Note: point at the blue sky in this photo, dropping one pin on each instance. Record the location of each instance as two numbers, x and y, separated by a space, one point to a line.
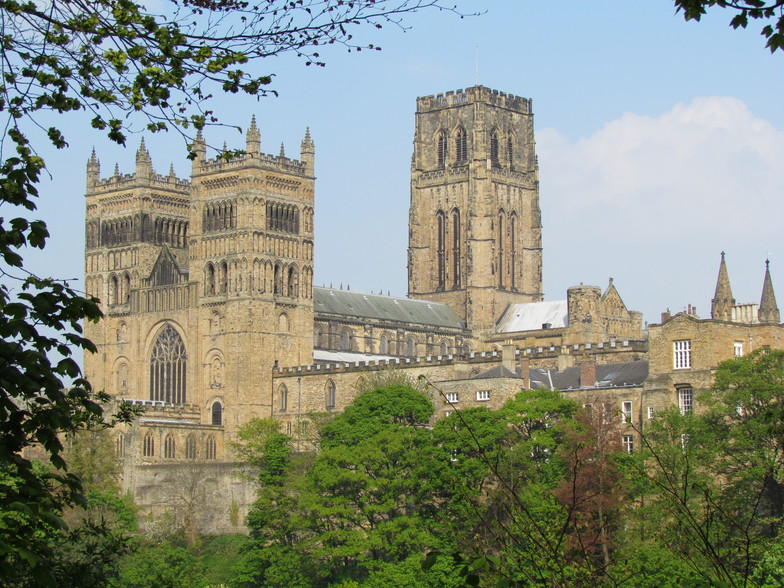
660 144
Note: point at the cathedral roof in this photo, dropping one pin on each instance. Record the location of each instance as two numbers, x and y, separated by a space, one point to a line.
385 308
530 316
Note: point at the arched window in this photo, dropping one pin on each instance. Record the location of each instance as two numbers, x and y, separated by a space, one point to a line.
461 151
278 280
441 229
190 447
442 148
114 287
316 337
210 449
443 348
455 249
209 279
494 161
410 347
148 447
345 341
283 396
167 367
169 447
126 289
291 282
217 413
383 345
330 395
224 277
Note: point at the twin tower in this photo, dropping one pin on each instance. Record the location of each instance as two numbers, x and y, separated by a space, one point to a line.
206 283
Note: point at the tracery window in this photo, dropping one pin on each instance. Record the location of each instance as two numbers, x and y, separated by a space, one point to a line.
168 361
330 395
461 151
190 447
169 447
148 447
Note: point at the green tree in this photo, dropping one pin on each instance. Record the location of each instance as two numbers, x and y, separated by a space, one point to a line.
770 12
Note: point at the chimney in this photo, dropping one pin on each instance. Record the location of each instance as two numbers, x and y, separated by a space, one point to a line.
508 355
587 373
524 373
665 316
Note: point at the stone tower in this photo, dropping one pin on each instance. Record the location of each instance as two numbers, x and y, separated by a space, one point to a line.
475 236
206 285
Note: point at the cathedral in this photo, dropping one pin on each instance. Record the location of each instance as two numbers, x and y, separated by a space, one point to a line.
212 318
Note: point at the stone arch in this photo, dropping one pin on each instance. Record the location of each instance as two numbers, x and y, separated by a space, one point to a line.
216 412
330 393
215 368
283 323
148 444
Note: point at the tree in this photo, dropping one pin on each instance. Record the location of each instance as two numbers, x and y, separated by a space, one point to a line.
769 11
121 63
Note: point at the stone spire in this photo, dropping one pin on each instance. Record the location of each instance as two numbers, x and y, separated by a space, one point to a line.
282 151
307 152
253 138
93 170
143 161
722 303
768 311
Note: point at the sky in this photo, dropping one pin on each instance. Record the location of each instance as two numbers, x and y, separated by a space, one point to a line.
659 141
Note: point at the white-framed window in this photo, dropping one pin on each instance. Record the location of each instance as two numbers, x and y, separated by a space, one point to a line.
628 443
738 346
452 397
685 400
651 412
482 395
626 411
681 354
448 413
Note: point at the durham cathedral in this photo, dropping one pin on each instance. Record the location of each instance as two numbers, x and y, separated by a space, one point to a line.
212 318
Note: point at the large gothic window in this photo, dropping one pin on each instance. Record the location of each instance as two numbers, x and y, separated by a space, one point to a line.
148 449
167 367
190 447
210 448
169 447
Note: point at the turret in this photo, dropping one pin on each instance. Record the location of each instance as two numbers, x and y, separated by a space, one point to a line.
768 311
722 303
93 170
199 151
308 153
143 162
253 138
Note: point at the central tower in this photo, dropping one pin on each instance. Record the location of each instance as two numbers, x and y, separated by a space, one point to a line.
475 231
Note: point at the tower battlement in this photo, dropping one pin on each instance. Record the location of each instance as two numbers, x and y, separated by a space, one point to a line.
474 94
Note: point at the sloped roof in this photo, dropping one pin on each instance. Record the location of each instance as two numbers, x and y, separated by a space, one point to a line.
385 308
530 316
496 372
632 373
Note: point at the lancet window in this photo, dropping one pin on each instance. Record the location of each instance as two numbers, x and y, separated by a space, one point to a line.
461 150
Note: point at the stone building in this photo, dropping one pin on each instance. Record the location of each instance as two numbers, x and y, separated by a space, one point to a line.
212 319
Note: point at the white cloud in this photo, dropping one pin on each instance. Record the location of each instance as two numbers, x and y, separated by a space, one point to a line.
700 178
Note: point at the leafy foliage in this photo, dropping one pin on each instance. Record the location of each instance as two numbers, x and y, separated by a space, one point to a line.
768 11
